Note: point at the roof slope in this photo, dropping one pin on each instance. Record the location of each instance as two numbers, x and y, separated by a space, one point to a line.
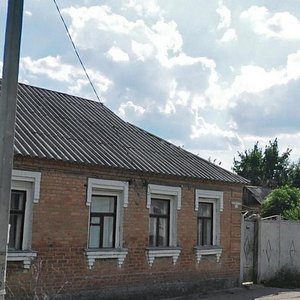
62 127
259 193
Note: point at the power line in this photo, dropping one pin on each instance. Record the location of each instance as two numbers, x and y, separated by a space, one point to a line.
76 52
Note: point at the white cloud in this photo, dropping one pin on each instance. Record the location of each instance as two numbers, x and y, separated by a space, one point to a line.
161 39
228 36
253 79
118 55
225 16
225 23
142 51
54 68
168 109
184 60
203 128
182 97
293 66
281 25
143 7
50 66
165 37
129 107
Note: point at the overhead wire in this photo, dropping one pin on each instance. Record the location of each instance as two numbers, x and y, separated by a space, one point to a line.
76 51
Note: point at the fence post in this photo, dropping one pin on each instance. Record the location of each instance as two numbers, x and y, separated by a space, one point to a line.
241 251
259 251
279 242
255 250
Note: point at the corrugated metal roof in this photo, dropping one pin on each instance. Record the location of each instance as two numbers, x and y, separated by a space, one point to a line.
258 192
62 127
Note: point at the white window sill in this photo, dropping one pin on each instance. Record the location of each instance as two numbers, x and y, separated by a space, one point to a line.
25 256
155 252
116 253
208 250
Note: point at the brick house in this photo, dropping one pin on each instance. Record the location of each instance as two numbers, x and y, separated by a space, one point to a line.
102 207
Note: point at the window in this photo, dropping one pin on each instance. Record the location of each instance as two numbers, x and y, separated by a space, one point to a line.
103 222
16 219
163 203
107 199
205 224
25 192
209 205
159 223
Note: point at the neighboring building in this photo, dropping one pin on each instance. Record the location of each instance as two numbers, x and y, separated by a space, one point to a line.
253 197
102 207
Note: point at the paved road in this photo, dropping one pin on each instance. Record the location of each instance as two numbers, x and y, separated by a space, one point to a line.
255 292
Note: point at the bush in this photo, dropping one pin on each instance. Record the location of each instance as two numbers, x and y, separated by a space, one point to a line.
282 201
285 278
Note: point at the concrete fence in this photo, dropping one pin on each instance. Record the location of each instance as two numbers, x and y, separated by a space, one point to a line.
267 247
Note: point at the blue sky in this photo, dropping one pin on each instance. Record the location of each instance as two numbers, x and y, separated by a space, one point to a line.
211 76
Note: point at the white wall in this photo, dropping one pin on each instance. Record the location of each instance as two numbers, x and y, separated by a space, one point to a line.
278 247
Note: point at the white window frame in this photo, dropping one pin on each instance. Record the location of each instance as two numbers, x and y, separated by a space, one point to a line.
112 188
216 198
30 183
173 194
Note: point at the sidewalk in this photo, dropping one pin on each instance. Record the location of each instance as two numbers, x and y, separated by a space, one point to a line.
255 292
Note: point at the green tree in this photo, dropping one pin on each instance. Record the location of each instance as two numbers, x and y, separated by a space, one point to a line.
265 168
250 164
283 201
294 174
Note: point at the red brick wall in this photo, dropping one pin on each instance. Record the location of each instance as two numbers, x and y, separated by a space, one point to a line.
60 228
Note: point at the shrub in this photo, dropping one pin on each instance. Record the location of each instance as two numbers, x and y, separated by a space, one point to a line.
282 201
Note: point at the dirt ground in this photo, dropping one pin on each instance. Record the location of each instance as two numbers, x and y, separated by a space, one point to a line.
254 292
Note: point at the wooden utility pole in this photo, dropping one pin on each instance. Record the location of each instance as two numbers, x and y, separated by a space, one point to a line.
8 102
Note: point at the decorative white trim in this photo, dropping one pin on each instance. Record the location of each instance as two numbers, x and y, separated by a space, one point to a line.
208 251
32 177
208 194
152 253
112 185
92 255
25 256
236 204
164 190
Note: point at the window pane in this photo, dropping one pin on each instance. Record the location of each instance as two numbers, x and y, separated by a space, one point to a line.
103 204
94 241
160 207
95 220
108 230
17 201
207 233
200 232
205 209
152 232
16 231
163 232
16 219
